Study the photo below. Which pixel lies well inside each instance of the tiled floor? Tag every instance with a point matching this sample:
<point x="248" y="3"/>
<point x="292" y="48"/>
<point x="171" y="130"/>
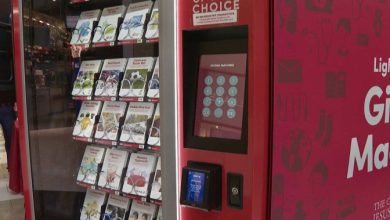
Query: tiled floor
<point x="11" y="205"/>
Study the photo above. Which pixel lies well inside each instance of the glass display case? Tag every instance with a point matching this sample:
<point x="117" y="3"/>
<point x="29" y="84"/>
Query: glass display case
<point x="91" y="87"/>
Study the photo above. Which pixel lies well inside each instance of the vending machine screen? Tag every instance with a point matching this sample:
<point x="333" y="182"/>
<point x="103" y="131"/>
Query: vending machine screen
<point x="195" y="187"/>
<point x="220" y="96"/>
<point x="201" y="185"/>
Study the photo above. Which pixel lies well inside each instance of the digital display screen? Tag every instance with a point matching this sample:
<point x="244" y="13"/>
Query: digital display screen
<point x="220" y="96"/>
<point x="195" y="187"/>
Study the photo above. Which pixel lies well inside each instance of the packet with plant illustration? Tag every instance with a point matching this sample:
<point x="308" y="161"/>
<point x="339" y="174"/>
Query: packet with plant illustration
<point x="106" y="30"/>
<point x="135" y="78"/>
<point x="93" y="156"/>
<point x="132" y="27"/>
<point x="139" y="171"/>
<point x="152" y="31"/>
<point x="93" y="202"/>
<point x="83" y="85"/>
<point x="136" y="122"/>
<point x="111" y="174"/>
<point x="110" y="117"/>
<point x="84" y="126"/>
<point x="109" y="79"/>
<point x="83" y="31"/>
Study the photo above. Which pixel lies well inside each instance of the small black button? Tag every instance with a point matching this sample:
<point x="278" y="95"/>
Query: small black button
<point x="235" y="190"/>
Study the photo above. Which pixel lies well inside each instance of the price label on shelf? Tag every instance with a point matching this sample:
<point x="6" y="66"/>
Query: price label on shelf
<point x="112" y="44"/>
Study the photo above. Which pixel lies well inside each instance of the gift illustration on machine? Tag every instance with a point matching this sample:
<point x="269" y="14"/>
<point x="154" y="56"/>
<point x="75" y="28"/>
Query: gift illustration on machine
<point x="136" y="76"/>
<point x="132" y="27"/>
<point x="107" y="27"/>
<point x="83" y="85"/>
<point x="114" y="162"/>
<point x="152" y="29"/>
<point x="86" y="119"/>
<point x="93" y="203"/>
<point x="139" y="169"/>
<point x="142" y="210"/>
<point x="108" y="126"/>
<point x="93" y="156"/>
<point x="154" y="133"/>
<point x="116" y="208"/>
<point x="136" y="122"/>
<point x="107" y="85"/>
<point x="154" y="82"/>
<point x="83" y="31"/>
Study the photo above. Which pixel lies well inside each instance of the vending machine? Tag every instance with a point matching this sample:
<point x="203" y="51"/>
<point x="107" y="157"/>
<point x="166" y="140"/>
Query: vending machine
<point x="266" y="110"/>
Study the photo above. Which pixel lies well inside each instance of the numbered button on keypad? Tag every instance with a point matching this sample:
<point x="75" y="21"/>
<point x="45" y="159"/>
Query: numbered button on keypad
<point x="207" y="101"/>
<point x="208" y="80"/>
<point x="232" y="91"/>
<point x="233" y="80"/>
<point x="220" y="91"/>
<point x="219" y="101"/>
<point x="218" y="112"/>
<point x="207" y="91"/>
<point x="220" y="80"/>
<point x="206" y="112"/>
<point x="232" y="102"/>
<point x="231" y="113"/>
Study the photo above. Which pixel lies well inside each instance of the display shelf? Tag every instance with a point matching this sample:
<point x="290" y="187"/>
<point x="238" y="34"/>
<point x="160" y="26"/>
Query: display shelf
<point x="154" y="100"/>
<point x="111" y="191"/>
<point x="139" y="146"/>
<point x="155" y="202"/>
<point x="132" y="99"/>
<point x="154" y="40"/>
<point x="86" y="185"/>
<point x="123" y="99"/>
<point x="104" y="44"/>
<point x="130" y="42"/>
<point x="131" y="145"/>
<point x="82" y="98"/>
<point x="105" y="98"/>
<point x="110" y="50"/>
<point x="153" y="148"/>
<point x="83" y="139"/>
<point x="135" y="197"/>
<point x="105" y="142"/>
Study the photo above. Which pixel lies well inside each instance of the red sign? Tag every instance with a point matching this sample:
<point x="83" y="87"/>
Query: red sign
<point x="331" y="110"/>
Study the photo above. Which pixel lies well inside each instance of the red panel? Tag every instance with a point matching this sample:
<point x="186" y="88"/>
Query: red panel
<point x="254" y="165"/>
<point x="325" y="67"/>
<point x="17" y="28"/>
